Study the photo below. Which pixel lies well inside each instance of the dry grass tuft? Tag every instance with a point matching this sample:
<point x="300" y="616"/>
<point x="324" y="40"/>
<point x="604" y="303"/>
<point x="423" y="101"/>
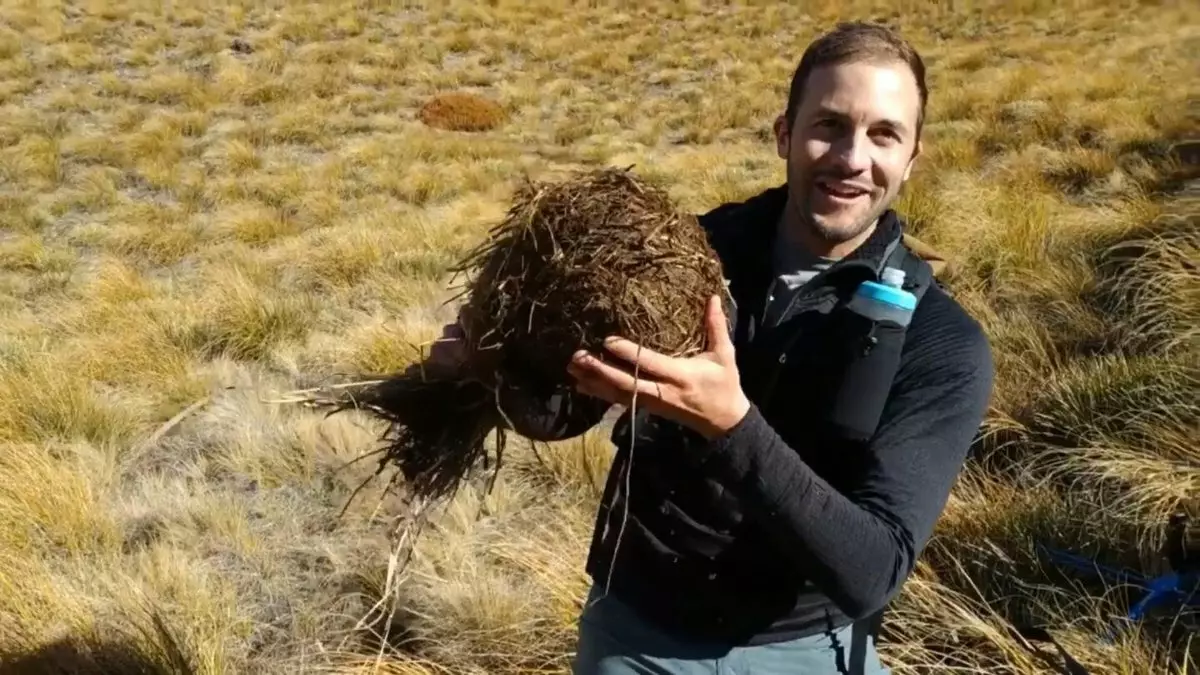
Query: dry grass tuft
<point x="602" y="254"/>
<point x="573" y="262"/>
<point x="459" y="111"/>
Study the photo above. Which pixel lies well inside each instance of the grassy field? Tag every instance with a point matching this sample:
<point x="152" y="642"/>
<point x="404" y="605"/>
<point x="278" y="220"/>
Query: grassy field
<point x="191" y="226"/>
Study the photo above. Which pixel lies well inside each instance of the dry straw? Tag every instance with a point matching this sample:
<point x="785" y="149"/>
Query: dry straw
<point x="573" y="262"/>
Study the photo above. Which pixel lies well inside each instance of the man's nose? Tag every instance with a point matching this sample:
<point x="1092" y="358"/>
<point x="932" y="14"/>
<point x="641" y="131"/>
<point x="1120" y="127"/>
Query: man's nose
<point x="853" y="152"/>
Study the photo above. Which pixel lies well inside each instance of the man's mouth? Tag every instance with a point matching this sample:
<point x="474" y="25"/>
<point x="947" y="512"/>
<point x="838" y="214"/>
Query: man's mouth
<point x="842" y="190"/>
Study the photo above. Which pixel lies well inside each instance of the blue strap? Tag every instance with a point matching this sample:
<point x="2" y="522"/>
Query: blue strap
<point x="1182" y="588"/>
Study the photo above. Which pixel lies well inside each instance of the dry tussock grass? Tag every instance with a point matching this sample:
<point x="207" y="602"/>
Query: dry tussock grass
<point x="461" y="111"/>
<point x="183" y="215"/>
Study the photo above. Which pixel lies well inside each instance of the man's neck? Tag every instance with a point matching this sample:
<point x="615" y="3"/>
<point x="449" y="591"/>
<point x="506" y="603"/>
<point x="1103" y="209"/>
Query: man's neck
<point x="804" y="234"/>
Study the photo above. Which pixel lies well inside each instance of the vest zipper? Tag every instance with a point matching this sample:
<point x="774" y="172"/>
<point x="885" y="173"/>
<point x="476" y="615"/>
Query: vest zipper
<point x="769" y="393"/>
<point x="812" y="284"/>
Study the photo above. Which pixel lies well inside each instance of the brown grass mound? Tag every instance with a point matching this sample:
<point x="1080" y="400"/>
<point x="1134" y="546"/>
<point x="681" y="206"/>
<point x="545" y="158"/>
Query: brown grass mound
<point x="578" y="261"/>
<point x="460" y="111"/>
<point x="572" y="263"/>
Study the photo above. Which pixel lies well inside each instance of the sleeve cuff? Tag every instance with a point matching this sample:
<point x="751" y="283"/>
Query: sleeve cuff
<point x="729" y="446"/>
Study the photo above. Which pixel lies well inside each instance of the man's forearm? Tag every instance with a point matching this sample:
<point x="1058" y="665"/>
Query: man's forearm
<point x="858" y="546"/>
<point x="856" y="556"/>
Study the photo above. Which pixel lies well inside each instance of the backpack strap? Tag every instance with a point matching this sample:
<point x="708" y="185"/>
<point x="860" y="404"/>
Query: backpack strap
<point x="862" y="631"/>
<point x="918" y="277"/>
<point x="918" y="272"/>
<point x="927" y="253"/>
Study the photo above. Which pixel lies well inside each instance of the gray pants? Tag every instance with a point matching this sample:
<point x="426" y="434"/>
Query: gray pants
<point x="613" y="640"/>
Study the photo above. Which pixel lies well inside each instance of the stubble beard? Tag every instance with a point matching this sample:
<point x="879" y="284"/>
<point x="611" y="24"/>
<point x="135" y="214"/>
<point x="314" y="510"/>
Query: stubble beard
<point x="808" y="220"/>
<point x="836" y="235"/>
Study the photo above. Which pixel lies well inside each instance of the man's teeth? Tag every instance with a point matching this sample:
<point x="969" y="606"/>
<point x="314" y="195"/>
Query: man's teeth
<point x="842" y="192"/>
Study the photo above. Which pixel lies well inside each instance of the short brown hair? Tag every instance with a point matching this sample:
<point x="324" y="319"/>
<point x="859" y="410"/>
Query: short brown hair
<point x="857" y="41"/>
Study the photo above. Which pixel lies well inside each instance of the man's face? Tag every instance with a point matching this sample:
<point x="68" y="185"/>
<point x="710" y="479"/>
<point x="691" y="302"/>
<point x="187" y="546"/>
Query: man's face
<point x="851" y="145"/>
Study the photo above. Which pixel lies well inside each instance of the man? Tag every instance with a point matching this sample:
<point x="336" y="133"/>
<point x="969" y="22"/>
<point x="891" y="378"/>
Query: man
<point x="772" y="495"/>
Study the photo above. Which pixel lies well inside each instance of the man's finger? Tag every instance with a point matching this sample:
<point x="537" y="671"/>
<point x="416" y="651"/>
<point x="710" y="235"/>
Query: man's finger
<point x="608" y="394"/>
<point x="593" y="372"/>
<point x="719" y="342"/>
<point x="590" y="384"/>
<point x="648" y="361"/>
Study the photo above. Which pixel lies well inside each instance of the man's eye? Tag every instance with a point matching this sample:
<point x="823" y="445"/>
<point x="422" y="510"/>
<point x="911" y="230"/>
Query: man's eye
<point x="886" y="135"/>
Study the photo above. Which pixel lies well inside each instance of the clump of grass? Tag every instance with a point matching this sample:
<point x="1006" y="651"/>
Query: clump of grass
<point x="574" y="262"/>
<point x="501" y="593"/>
<point x="42" y="401"/>
<point x="243" y="321"/>
<point x="460" y="111"/>
<point x="32" y="254"/>
<point x="1146" y="284"/>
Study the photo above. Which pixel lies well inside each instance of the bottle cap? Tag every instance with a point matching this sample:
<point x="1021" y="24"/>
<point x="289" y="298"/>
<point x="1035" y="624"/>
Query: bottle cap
<point x="887" y="294"/>
<point x="893" y="277"/>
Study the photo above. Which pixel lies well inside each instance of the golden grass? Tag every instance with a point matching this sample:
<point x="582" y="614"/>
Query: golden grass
<point x="461" y="111"/>
<point x="188" y="220"/>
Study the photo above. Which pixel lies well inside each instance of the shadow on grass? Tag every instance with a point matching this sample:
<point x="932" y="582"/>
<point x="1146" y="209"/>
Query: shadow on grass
<point x="69" y="656"/>
<point x="1002" y="567"/>
<point x="1160" y="169"/>
<point x="386" y="624"/>
<point x="131" y="652"/>
<point x="78" y="657"/>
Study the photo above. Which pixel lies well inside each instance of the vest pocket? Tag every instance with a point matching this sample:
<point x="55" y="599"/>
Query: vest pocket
<point x="864" y="357"/>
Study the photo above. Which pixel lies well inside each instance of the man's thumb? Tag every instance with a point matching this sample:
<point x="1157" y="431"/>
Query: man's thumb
<point x="718" y="328"/>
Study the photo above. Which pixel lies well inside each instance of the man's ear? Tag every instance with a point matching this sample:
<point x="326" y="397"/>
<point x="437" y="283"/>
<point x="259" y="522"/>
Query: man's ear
<point x="783" y="136"/>
<point x="913" y="160"/>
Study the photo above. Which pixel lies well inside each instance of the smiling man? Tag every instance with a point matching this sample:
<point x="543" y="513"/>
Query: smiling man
<point x="773" y="494"/>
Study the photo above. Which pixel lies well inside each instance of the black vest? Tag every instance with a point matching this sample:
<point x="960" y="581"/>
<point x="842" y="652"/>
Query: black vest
<point x="688" y="559"/>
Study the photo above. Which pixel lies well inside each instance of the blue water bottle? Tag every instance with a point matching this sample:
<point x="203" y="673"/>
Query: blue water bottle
<point x="885" y="300"/>
<point x="872" y="335"/>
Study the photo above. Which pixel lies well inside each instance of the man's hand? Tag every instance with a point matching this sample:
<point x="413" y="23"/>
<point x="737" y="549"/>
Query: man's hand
<point x="702" y="392"/>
